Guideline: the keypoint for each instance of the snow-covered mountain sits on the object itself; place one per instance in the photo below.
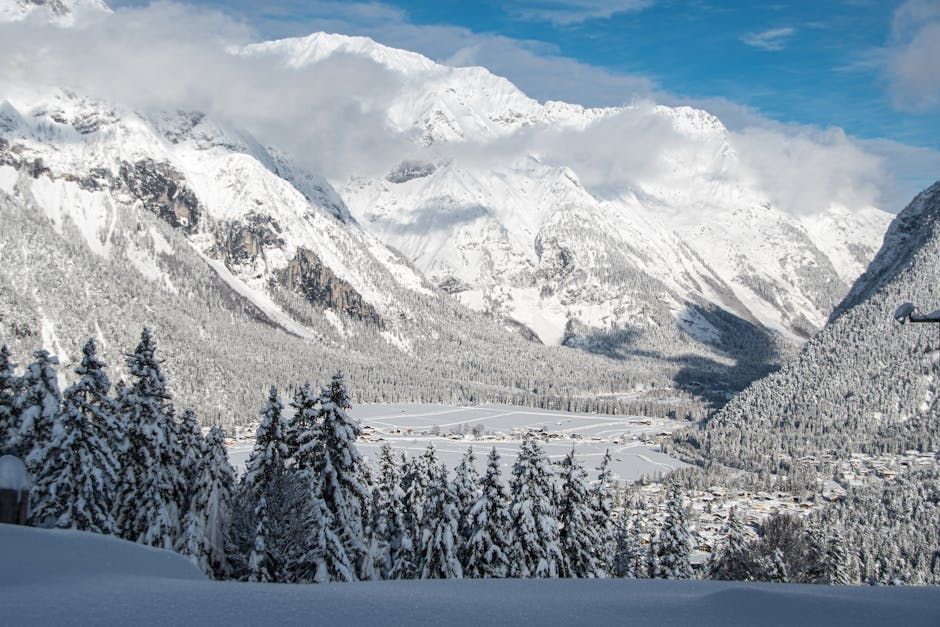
(684, 273)
(518, 233)
(60, 12)
(864, 384)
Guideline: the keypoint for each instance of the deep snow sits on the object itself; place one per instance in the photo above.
(75, 578)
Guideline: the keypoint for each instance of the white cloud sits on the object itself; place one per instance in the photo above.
(912, 57)
(774, 39)
(332, 116)
(565, 12)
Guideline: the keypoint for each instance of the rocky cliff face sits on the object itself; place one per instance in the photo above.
(307, 275)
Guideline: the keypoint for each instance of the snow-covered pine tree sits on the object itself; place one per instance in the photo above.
(534, 549)
(9, 425)
(147, 501)
(405, 559)
(269, 489)
(835, 562)
(206, 525)
(487, 549)
(302, 433)
(603, 520)
(732, 561)
(776, 570)
(325, 558)
(342, 483)
(629, 558)
(674, 544)
(36, 406)
(77, 470)
(439, 530)
(192, 449)
(576, 518)
(466, 492)
(388, 513)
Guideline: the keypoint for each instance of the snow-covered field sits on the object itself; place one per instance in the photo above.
(410, 428)
(75, 578)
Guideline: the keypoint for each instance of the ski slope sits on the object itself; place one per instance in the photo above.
(412, 427)
(75, 578)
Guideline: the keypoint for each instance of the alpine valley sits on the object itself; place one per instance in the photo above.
(476, 258)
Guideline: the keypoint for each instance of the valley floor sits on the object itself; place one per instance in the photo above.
(632, 440)
(67, 577)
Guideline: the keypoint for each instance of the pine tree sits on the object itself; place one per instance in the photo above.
(342, 483)
(777, 568)
(835, 562)
(405, 559)
(9, 424)
(149, 488)
(36, 406)
(302, 435)
(732, 562)
(534, 551)
(439, 531)
(576, 518)
(488, 546)
(388, 513)
(192, 448)
(77, 470)
(268, 485)
(206, 525)
(630, 560)
(674, 545)
(325, 558)
(603, 520)
(466, 492)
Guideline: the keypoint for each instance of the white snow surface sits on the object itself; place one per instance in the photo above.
(412, 427)
(13, 475)
(76, 578)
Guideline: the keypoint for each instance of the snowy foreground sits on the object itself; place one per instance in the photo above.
(68, 577)
(412, 427)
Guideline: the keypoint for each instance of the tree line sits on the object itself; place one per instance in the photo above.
(307, 508)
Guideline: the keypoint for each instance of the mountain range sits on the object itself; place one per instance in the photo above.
(487, 226)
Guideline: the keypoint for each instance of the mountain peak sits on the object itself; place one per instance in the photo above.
(59, 12)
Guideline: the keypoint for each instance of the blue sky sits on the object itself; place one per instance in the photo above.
(869, 67)
(806, 62)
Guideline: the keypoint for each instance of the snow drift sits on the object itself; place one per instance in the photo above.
(62, 577)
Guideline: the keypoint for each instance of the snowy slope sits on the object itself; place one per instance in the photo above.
(864, 384)
(80, 578)
(265, 222)
(517, 232)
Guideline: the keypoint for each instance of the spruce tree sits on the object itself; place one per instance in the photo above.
(388, 513)
(325, 557)
(192, 448)
(732, 562)
(340, 473)
(439, 531)
(36, 406)
(149, 488)
(835, 562)
(405, 560)
(535, 551)
(602, 513)
(576, 517)
(77, 470)
(488, 546)
(9, 425)
(674, 544)
(302, 435)
(629, 559)
(270, 491)
(206, 525)
(466, 492)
